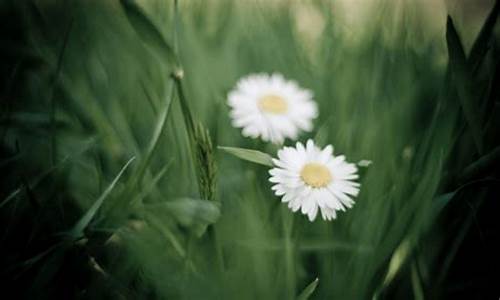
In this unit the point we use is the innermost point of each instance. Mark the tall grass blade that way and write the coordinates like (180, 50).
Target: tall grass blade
(462, 80)
(157, 133)
(416, 282)
(398, 259)
(147, 31)
(483, 40)
(78, 230)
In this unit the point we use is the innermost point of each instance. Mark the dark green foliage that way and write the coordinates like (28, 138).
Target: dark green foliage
(89, 85)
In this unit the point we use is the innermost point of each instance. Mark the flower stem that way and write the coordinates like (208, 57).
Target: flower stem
(287, 221)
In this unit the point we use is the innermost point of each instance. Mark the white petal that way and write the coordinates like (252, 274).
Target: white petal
(271, 126)
(337, 195)
(313, 212)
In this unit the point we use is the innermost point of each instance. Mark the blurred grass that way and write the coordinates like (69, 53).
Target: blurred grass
(90, 84)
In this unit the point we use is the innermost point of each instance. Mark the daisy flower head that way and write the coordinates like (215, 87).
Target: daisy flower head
(310, 179)
(271, 107)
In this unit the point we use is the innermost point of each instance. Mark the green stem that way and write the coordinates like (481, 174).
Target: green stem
(217, 248)
(191, 127)
(287, 222)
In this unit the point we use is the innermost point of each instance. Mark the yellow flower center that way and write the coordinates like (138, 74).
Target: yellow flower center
(316, 175)
(273, 104)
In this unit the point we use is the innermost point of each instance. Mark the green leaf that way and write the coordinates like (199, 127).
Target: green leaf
(147, 31)
(307, 292)
(461, 76)
(250, 155)
(195, 214)
(78, 229)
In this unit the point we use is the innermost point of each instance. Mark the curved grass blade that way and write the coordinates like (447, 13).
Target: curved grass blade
(398, 259)
(483, 165)
(78, 229)
(147, 31)
(157, 133)
(443, 200)
(250, 155)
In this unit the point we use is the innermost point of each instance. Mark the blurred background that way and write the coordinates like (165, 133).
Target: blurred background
(113, 186)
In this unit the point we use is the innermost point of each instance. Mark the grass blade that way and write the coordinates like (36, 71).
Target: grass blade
(157, 133)
(186, 110)
(42, 176)
(80, 226)
(307, 292)
(147, 31)
(147, 190)
(416, 282)
(461, 74)
(397, 261)
(482, 43)
(483, 165)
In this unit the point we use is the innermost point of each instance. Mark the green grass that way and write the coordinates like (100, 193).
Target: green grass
(91, 85)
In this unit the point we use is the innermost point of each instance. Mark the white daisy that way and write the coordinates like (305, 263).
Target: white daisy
(310, 178)
(271, 107)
